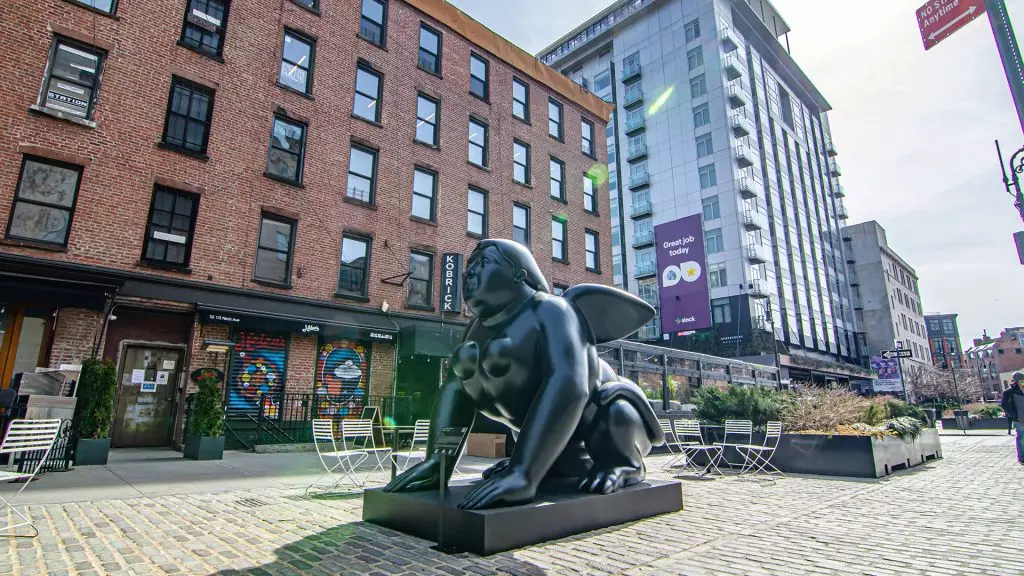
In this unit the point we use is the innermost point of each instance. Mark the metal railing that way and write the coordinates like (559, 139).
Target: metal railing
(640, 208)
(643, 269)
(643, 238)
(639, 179)
(636, 151)
(594, 30)
(634, 122)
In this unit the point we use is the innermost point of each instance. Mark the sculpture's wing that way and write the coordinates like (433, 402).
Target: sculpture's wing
(610, 313)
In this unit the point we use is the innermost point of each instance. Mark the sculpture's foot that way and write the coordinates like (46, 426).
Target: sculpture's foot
(498, 467)
(608, 480)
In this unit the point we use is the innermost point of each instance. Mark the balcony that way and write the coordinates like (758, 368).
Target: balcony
(734, 69)
(737, 96)
(742, 126)
(754, 221)
(841, 212)
(650, 331)
(744, 155)
(833, 167)
(830, 148)
(748, 187)
(644, 270)
(641, 239)
(729, 41)
(633, 97)
(630, 71)
(639, 180)
(634, 124)
(757, 290)
(755, 254)
(640, 208)
(837, 189)
(636, 152)
(854, 277)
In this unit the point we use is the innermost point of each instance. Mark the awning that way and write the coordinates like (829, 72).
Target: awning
(327, 327)
(40, 283)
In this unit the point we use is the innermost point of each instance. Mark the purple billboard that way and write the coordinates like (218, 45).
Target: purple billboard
(682, 284)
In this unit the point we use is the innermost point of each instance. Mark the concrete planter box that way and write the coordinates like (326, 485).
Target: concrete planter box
(92, 452)
(976, 424)
(203, 447)
(856, 456)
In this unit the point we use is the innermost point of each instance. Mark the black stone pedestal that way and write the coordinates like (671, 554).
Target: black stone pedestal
(559, 511)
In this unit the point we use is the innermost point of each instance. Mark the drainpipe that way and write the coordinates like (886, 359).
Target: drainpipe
(108, 310)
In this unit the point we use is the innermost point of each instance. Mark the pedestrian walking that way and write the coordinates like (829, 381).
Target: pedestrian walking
(1013, 406)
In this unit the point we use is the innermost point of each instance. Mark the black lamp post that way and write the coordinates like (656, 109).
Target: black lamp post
(1012, 181)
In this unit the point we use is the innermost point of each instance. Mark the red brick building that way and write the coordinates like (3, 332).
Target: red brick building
(994, 360)
(177, 176)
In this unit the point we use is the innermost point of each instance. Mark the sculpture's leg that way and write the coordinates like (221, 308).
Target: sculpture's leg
(617, 446)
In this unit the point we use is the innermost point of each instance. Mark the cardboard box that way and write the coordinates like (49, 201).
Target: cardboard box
(486, 445)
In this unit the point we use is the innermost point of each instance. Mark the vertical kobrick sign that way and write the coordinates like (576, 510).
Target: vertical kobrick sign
(451, 283)
(939, 19)
(682, 284)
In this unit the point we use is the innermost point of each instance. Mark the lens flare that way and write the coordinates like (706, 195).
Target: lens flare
(389, 421)
(661, 100)
(598, 173)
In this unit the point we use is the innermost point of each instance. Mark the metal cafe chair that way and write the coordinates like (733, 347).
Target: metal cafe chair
(737, 433)
(339, 464)
(692, 443)
(672, 443)
(25, 436)
(417, 447)
(359, 435)
(757, 458)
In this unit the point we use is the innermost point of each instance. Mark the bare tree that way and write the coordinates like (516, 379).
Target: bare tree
(930, 383)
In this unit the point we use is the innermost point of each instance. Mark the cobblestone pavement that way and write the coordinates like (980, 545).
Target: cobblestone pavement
(961, 515)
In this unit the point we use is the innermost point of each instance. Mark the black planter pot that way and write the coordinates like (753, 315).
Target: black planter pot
(203, 447)
(91, 452)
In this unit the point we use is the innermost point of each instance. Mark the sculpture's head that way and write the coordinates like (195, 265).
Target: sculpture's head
(498, 273)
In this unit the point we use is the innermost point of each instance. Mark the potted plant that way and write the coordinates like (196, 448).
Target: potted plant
(94, 411)
(204, 439)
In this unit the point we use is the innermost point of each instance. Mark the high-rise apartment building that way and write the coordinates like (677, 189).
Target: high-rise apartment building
(714, 116)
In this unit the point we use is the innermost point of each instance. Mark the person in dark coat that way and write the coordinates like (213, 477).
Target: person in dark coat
(1013, 405)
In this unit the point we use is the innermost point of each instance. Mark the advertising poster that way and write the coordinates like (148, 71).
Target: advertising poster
(888, 375)
(682, 282)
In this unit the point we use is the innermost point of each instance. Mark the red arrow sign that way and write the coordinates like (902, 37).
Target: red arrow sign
(939, 19)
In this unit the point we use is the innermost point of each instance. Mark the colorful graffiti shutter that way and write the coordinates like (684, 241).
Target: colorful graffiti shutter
(342, 378)
(258, 367)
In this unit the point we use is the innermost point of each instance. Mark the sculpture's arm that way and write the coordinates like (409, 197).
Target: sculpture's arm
(558, 406)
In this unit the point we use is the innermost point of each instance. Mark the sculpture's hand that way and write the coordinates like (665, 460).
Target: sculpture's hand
(499, 467)
(423, 476)
(507, 487)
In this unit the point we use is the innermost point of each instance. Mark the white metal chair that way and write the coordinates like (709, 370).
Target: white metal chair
(358, 435)
(417, 448)
(25, 436)
(691, 443)
(757, 457)
(671, 442)
(737, 433)
(343, 461)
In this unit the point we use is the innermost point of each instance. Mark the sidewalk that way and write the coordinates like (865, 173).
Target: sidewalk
(139, 472)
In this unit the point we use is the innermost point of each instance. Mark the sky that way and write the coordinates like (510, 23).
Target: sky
(915, 132)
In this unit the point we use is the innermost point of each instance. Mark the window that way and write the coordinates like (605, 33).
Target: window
(478, 142)
(698, 87)
(362, 174)
(355, 265)
(476, 220)
(554, 119)
(558, 239)
(602, 82)
(430, 49)
(721, 313)
(172, 220)
(636, 146)
(287, 144)
(692, 29)
(520, 162)
(71, 83)
(589, 197)
(520, 99)
(45, 201)
(717, 275)
(587, 129)
(557, 179)
(705, 147)
(274, 253)
(593, 255)
(708, 178)
(108, 6)
(711, 208)
(424, 188)
(695, 58)
(713, 241)
(701, 116)
(373, 24)
(631, 65)
(367, 99)
(786, 105)
(421, 280)
(478, 77)
(313, 5)
(426, 120)
(558, 289)
(297, 62)
(521, 224)
(205, 22)
(188, 116)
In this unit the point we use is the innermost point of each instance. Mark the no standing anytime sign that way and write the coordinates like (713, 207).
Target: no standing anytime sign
(939, 19)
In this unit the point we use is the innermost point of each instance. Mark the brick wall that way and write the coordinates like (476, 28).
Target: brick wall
(122, 160)
(199, 358)
(302, 353)
(382, 369)
(74, 337)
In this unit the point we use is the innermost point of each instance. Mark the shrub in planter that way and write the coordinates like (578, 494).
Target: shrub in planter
(991, 411)
(899, 409)
(204, 439)
(758, 405)
(94, 411)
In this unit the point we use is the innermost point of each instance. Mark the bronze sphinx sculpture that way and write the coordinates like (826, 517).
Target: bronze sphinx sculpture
(529, 360)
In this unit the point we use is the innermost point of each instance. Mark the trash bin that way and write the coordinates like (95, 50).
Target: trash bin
(963, 420)
(929, 413)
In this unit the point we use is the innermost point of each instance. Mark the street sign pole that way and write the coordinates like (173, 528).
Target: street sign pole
(1009, 52)
(903, 381)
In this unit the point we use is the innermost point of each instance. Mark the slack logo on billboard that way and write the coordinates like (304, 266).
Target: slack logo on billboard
(683, 291)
